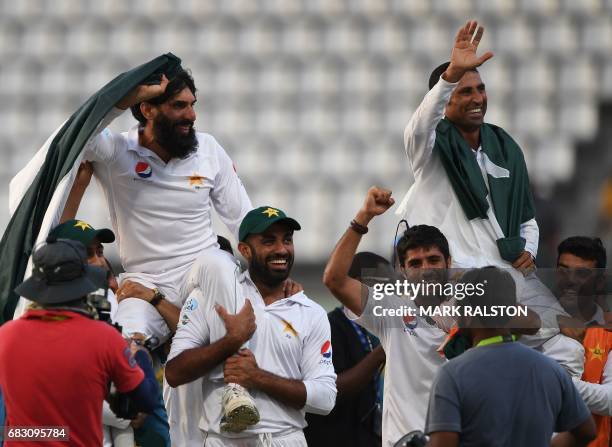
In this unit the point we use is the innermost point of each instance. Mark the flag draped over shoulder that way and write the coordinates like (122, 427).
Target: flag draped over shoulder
(37, 195)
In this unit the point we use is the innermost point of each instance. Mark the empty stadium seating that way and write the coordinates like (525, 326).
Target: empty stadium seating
(310, 97)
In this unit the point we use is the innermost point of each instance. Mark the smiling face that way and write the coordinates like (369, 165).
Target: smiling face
(173, 122)
(468, 103)
(578, 282)
(269, 254)
(426, 264)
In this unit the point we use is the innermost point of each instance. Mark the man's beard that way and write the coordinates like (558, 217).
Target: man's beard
(168, 137)
(260, 271)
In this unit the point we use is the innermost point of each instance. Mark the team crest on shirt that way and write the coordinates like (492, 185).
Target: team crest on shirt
(326, 353)
(196, 180)
(410, 324)
(143, 169)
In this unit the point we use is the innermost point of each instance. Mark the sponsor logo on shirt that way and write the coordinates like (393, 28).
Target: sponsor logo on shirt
(410, 324)
(184, 319)
(326, 353)
(143, 170)
(191, 304)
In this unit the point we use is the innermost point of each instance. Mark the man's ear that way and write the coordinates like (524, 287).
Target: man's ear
(449, 262)
(245, 251)
(148, 110)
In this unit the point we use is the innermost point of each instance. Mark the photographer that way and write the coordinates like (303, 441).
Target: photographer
(56, 363)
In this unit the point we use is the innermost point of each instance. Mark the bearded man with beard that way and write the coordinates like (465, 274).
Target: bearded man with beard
(161, 180)
(287, 366)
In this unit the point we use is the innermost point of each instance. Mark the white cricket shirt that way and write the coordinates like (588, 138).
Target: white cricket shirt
(431, 199)
(292, 340)
(412, 362)
(161, 212)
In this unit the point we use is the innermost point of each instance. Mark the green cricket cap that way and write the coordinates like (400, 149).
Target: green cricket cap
(258, 220)
(79, 230)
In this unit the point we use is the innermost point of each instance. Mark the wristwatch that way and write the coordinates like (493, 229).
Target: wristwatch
(157, 297)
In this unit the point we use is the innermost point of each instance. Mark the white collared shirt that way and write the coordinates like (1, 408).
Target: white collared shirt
(412, 362)
(431, 199)
(292, 340)
(161, 212)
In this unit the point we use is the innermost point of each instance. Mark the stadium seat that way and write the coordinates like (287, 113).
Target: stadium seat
(556, 36)
(313, 93)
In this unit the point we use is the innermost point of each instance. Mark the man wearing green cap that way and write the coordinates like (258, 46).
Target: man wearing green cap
(288, 359)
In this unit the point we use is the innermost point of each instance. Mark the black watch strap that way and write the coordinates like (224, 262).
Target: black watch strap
(157, 297)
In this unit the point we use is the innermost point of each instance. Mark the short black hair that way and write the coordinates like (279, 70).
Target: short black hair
(225, 245)
(438, 71)
(365, 260)
(499, 290)
(179, 81)
(590, 248)
(422, 236)
(371, 269)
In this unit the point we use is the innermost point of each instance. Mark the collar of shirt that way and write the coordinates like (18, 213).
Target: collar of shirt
(598, 317)
(298, 298)
(50, 315)
(133, 144)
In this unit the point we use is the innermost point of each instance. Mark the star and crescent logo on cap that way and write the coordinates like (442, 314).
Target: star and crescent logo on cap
(270, 212)
(82, 225)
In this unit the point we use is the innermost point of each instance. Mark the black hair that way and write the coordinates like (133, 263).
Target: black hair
(584, 247)
(179, 81)
(365, 260)
(438, 71)
(498, 290)
(225, 245)
(422, 236)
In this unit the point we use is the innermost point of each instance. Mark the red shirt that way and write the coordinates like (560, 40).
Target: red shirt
(55, 367)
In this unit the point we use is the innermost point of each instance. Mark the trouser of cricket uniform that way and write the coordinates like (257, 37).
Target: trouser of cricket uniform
(294, 438)
(184, 405)
(532, 292)
(139, 316)
(218, 280)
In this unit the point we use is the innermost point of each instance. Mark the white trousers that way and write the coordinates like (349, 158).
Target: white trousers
(292, 439)
(215, 273)
(213, 270)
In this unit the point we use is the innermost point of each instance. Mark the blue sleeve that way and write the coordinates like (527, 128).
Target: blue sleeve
(145, 395)
(2, 410)
(573, 411)
(444, 412)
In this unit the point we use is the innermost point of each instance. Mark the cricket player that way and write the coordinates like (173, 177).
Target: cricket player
(161, 181)
(471, 180)
(288, 366)
(409, 341)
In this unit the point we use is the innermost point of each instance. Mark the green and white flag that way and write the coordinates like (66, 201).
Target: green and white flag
(38, 193)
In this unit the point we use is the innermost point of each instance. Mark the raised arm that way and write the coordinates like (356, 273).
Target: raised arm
(81, 182)
(419, 135)
(347, 290)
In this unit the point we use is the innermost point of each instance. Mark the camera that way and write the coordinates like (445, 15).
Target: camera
(413, 439)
